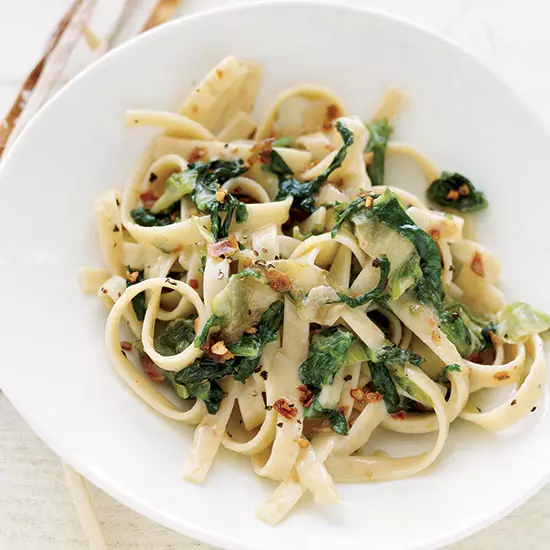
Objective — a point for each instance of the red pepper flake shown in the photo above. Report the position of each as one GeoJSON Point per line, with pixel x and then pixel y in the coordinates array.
{"type": "Point", "coordinates": [474, 358]}
{"type": "Point", "coordinates": [127, 346]}
{"type": "Point", "coordinates": [224, 248]}
{"type": "Point", "coordinates": [285, 409]}
{"type": "Point", "coordinates": [148, 198]}
{"type": "Point", "coordinates": [306, 395]}
{"type": "Point", "coordinates": [196, 154]}
{"type": "Point", "coordinates": [501, 376]}
{"type": "Point", "coordinates": [261, 151]}
{"type": "Point", "coordinates": [365, 396]}
{"type": "Point", "coordinates": [194, 284]}
{"type": "Point", "coordinates": [150, 369]}
{"type": "Point", "coordinates": [399, 415]}
{"type": "Point", "coordinates": [343, 410]}
{"type": "Point", "coordinates": [132, 277]}
{"type": "Point", "coordinates": [477, 264]}
{"type": "Point", "coordinates": [278, 281]}
{"type": "Point", "coordinates": [434, 234]}
{"type": "Point", "coordinates": [332, 112]}
{"type": "Point", "coordinates": [452, 195]}
{"type": "Point", "coordinates": [463, 190]}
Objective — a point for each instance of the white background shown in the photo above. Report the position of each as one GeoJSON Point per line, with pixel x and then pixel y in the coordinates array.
{"type": "Point", "coordinates": [36, 512]}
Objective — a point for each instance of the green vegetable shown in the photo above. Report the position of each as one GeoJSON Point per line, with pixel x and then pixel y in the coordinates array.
{"type": "Point", "coordinates": [354, 206]}
{"type": "Point", "coordinates": [384, 264]}
{"type": "Point", "coordinates": [143, 216]}
{"type": "Point", "coordinates": [176, 187]}
{"type": "Point", "coordinates": [357, 353]}
{"type": "Point", "coordinates": [443, 375]}
{"type": "Point", "coordinates": [337, 420]}
{"type": "Point", "coordinates": [455, 191]}
{"type": "Point", "coordinates": [176, 336]}
{"type": "Point", "coordinates": [138, 302]}
{"type": "Point", "coordinates": [241, 303]}
{"type": "Point", "coordinates": [249, 348]}
{"type": "Point", "coordinates": [380, 133]}
{"type": "Point", "coordinates": [200, 379]}
{"type": "Point", "coordinates": [201, 338]}
{"type": "Point", "coordinates": [387, 371]}
{"type": "Point", "coordinates": [283, 142]}
{"type": "Point", "coordinates": [385, 386]}
{"type": "Point", "coordinates": [327, 353]}
{"type": "Point", "coordinates": [470, 334]}
{"type": "Point", "coordinates": [303, 192]}
{"type": "Point", "coordinates": [277, 165]}
{"type": "Point", "coordinates": [203, 263]}
{"type": "Point", "coordinates": [518, 321]}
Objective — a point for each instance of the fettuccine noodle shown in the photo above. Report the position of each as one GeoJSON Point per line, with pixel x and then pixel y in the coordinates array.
{"type": "Point", "coordinates": [265, 285]}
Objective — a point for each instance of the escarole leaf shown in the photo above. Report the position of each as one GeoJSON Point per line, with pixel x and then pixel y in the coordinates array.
{"type": "Point", "coordinates": [455, 191]}
{"type": "Point", "coordinates": [380, 133]}
{"type": "Point", "coordinates": [176, 187]}
{"type": "Point", "coordinates": [336, 418]}
{"type": "Point", "coordinates": [241, 303]}
{"type": "Point", "coordinates": [201, 377]}
{"type": "Point", "coordinates": [146, 218]}
{"type": "Point", "coordinates": [387, 367]}
{"type": "Point", "coordinates": [138, 302]}
{"type": "Point", "coordinates": [384, 264]}
{"type": "Point", "coordinates": [303, 193]}
{"type": "Point", "coordinates": [175, 337]}
{"type": "Point", "coordinates": [201, 181]}
{"type": "Point", "coordinates": [327, 353]}
{"type": "Point", "coordinates": [518, 321]}
{"type": "Point", "coordinates": [444, 374]}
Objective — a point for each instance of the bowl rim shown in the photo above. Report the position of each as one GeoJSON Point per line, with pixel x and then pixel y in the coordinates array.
{"type": "Point", "coordinates": [101, 479]}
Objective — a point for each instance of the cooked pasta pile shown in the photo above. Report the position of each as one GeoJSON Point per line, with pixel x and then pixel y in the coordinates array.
{"type": "Point", "coordinates": [266, 286]}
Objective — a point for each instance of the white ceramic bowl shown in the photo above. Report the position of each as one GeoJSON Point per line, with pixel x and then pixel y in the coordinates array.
{"type": "Point", "coordinates": [54, 367]}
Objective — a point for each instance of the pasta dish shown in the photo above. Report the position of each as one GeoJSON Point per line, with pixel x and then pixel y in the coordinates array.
{"type": "Point", "coordinates": [266, 285]}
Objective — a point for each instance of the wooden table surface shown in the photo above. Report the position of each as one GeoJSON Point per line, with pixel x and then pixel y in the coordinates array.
{"type": "Point", "coordinates": [36, 512]}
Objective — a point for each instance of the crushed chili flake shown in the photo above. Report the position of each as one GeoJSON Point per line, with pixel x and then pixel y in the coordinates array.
{"type": "Point", "coordinates": [221, 194]}
{"type": "Point", "coordinates": [263, 374]}
{"type": "Point", "coordinates": [150, 369]}
{"type": "Point", "coordinates": [196, 154]}
{"type": "Point", "coordinates": [331, 113]}
{"type": "Point", "coordinates": [477, 264]}
{"type": "Point", "coordinates": [399, 415]}
{"type": "Point", "coordinates": [116, 229]}
{"type": "Point", "coordinates": [306, 395]}
{"type": "Point", "coordinates": [152, 177]}
{"type": "Point", "coordinates": [126, 345]}
{"type": "Point", "coordinates": [219, 348]}
{"type": "Point", "coordinates": [452, 195]}
{"type": "Point", "coordinates": [279, 424]}
{"type": "Point", "coordinates": [365, 396]}
{"type": "Point", "coordinates": [224, 248]}
{"type": "Point", "coordinates": [261, 151]}
{"type": "Point", "coordinates": [369, 202]}
{"type": "Point", "coordinates": [148, 198]}
{"type": "Point", "coordinates": [474, 358]}
{"type": "Point", "coordinates": [285, 409]}
{"type": "Point", "coordinates": [463, 190]}
{"type": "Point", "coordinates": [194, 284]}
{"type": "Point", "coordinates": [251, 330]}
{"type": "Point", "coordinates": [494, 338]}
{"type": "Point", "coordinates": [501, 376]}
{"type": "Point", "coordinates": [513, 402]}
{"type": "Point", "coordinates": [434, 234]}
{"type": "Point", "coordinates": [303, 443]}
{"type": "Point", "coordinates": [278, 281]}
{"type": "Point", "coordinates": [347, 378]}
{"type": "Point", "coordinates": [343, 410]}
{"type": "Point", "coordinates": [132, 277]}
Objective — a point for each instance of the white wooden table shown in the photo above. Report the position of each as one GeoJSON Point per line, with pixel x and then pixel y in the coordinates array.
{"type": "Point", "coordinates": [36, 511]}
